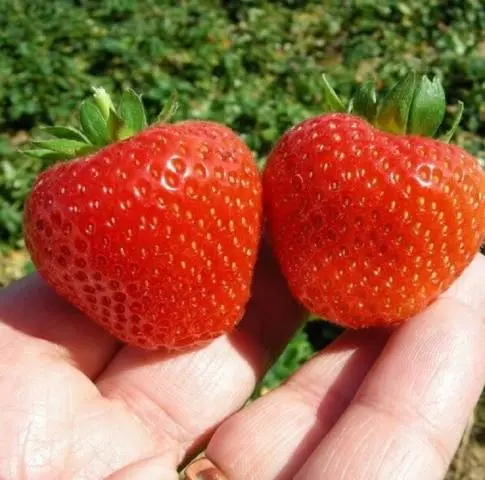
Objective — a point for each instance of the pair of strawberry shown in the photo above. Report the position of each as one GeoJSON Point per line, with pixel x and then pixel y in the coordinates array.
{"type": "Point", "coordinates": [153, 231]}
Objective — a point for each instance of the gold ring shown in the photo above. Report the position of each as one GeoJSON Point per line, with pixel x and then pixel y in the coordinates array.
{"type": "Point", "coordinates": [203, 469]}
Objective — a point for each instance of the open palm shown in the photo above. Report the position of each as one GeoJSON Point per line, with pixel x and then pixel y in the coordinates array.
{"type": "Point", "coordinates": [75, 404]}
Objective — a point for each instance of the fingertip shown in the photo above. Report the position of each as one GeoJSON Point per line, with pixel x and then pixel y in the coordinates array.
{"type": "Point", "coordinates": [153, 468]}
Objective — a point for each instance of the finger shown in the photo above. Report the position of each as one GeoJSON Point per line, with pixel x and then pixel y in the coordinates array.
{"type": "Point", "coordinates": [33, 318]}
{"type": "Point", "coordinates": [182, 398]}
{"type": "Point", "coordinates": [155, 468]}
{"type": "Point", "coordinates": [407, 418]}
{"type": "Point", "coordinates": [470, 288]}
{"type": "Point", "coordinates": [203, 469]}
{"type": "Point", "coordinates": [285, 425]}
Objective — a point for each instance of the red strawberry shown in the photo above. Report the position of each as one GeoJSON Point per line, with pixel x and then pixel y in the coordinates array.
{"type": "Point", "coordinates": [154, 237]}
{"type": "Point", "coordinates": [368, 226]}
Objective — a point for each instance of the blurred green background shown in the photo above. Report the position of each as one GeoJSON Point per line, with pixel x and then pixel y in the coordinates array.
{"type": "Point", "coordinates": [255, 65]}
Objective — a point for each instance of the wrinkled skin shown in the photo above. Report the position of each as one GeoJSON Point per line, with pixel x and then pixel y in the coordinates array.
{"type": "Point", "coordinates": [75, 404]}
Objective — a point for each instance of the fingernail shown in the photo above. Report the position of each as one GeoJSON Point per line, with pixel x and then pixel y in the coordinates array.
{"type": "Point", "coordinates": [203, 469]}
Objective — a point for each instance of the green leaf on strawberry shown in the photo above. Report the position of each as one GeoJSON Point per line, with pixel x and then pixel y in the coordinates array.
{"type": "Point", "coordinates": [101, 124]}
{"type": "Point", "coordinates": [454, 126]}
{"type": "Point", "coordinates": [132, 114]}
{"type": "Point", "coordinates": [428, 108]}
{"type": "Point", "coordinates": [364, 102]}
{"type": "Point", "coordinates": [68, 133]}
{"type": "Point", "coordinates": [331, 99]}
{"type": "Point", "coordinates": [395, 109]}
{"type": "Point", "coordinates": [94, 123]}
{"type": "Point", "coordinates": [415, 105]}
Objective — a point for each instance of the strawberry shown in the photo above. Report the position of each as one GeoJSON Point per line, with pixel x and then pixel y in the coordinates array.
{"type": "Point", "coordinates": [370, 224]}
{"type": "Point", "coordinates": [154, 236]}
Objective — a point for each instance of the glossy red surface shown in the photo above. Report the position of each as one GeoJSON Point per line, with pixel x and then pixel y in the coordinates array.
{"type": "Point", "coordinates": [370, 227]}
{"type": "Point", "coordinates": [155, 237]}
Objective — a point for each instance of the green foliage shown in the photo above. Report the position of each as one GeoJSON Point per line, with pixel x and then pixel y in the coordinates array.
{"type": "Point", "coordinates": [295, 354]}
{"type": "Point", "coordinates": [16, 177]}
{"type": "Point", "coordinates": [314, 336]}
{"type": "Point", "coordinates": [255, 65]}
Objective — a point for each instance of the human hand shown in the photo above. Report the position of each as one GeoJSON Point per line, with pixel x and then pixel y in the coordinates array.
{"type": "Point", "coordinates": [75, 404]}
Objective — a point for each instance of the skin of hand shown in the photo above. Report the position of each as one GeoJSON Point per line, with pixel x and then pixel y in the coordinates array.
{"type": "Point", "coordinates": [376, 404]}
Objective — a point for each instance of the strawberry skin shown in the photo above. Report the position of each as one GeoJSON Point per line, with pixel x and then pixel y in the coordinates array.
{"type": "Point", "coordinates": [154, 237]}
{"type": "Point", "coordinates": [370, 227]}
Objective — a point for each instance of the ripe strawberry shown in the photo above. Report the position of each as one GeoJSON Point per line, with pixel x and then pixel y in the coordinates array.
{"type": "Point", "coordinates": [155, 236]}
{"type": "Point", "coordinates": [370, 226]}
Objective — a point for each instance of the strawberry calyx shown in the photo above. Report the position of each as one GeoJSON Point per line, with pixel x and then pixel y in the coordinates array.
{"type": "Point", "coordinates": [415, 105]}
{"type": "Point", "coordinates": [101, 124]}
